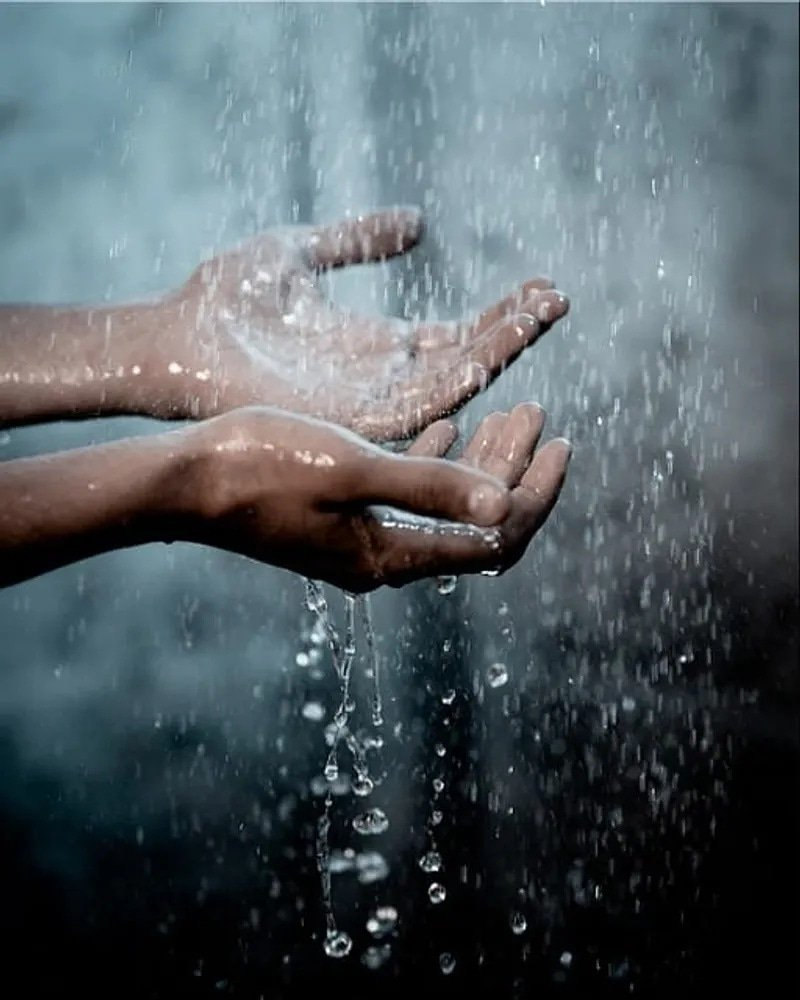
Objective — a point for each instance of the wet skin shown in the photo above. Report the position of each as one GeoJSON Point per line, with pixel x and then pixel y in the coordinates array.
{"type": "Point", "coordinates": [288, 483]}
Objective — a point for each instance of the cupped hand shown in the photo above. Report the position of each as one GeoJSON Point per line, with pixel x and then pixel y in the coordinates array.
{"type": "Point", "coordinates": [251, 326]}
{"type": "Point", "coordinates": [505, 447]}
{"type": "Point", "coordinates": [308, 496]}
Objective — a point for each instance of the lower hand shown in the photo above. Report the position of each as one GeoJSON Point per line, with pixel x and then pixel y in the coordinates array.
{"type": "Point", "coordinates": [310, 497]}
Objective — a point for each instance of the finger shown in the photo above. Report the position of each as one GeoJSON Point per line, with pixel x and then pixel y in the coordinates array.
{"type": "Point", "coordinates": [513, 303]}
{"type": "Point", "coordinates": [537, 298]}
{"type": "Point", "coordinates": [428, 487]}
{"type": "Point", "coordinates": [436, 393]}
{"type": "Point", "coordinates": [365, 238]}
{"type": "Point", "coordinates": [403, 555]}
{"type": "Point", "coordinates": [538, 491]}
{"type": "Point", "coordinates": [513, 449]}
{"type": "Point", "coordinates": [504, 443]}
{"type": "Point", "coordinates": [481, 442]}
{"type": "Point", "coordinates": [435, 441]}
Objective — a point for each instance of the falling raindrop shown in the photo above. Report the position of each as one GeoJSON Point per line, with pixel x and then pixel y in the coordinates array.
{"type": "Point", "coordinates": [371, 867]}
{"type": "Point", "coordinates": [371, 822]}
{"type": "Point", "coordinates": [497, 675]}
{"type": "Point", "coordinates": [446, 963]}
{"type": "Point", "coordinates": [437, 892]}
{"type": "Point", "coordinates": [376, 955]}
{"type": "Point", "coordinates": [337, 944]}
{"type": "Point", "coordinates": [431, 861]}
{"type": "Point", "coordinates": [313, 711]}
{"type": "Point", "coordinates": [363, 786]}
{"type": "Point", "coordinates": [518, 923]}
{"type": "Point", "coordinates": [383, 921]}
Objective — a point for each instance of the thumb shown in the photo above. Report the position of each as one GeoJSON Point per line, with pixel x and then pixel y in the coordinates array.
{"type": "Point", "coordinates": [433, 487]}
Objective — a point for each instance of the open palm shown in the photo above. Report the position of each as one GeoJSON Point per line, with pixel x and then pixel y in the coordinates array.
{"type": "Point", "coordinates": [254, 327]}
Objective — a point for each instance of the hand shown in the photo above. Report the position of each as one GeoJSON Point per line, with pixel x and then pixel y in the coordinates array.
{"type": "Point", "coordinates": [302, 494]}
{"type": "Point", "coordinates": [251, 327]}
{"type": "Point", "coordinates": [504, 446]}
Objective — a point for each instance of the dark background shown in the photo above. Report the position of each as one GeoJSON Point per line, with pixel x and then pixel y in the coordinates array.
{"type": "Point", "coordinates": [633, 788]}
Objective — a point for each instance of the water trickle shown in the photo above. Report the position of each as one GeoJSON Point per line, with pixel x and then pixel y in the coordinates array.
{"type": "Point", "coordinates": [374, 661]}
{"type": "Point", "coordinates": [337, 943]}
{"type": "Point", "coordinates": [371, 823]}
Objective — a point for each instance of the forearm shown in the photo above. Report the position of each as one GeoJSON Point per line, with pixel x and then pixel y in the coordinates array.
{"type": "Point", "coordinates": [62, 363]}
{"type": "Point", "coordinates": [61, 508]}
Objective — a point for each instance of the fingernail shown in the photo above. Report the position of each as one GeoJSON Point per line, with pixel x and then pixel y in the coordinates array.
{"type": "Point", "coordinates": [552, 306]}
{"type": "Point", "coordinates": [488, 504]}
{"type": "Point", "coordinates": [568, 445]}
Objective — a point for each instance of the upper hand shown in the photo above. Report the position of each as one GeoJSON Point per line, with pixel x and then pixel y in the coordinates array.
{"type": "Point", "coordinates": [251, 326]}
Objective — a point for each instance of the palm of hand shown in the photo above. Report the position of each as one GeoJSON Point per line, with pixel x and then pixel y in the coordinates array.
{"type": "Point", "coordinates": [269, 336]}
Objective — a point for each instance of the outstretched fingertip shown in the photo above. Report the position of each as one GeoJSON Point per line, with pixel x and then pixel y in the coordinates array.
{"type": "Point", "coordinates": [488, 504]}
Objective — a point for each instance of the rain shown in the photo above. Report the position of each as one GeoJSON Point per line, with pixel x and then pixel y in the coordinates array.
{"type": "Point", "coordinates": [576, 778]}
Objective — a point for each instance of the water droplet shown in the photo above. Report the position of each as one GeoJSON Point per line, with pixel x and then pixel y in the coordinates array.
{"type": "Point", "coordinates": [628, 704]}
{"type": "Point", "coordinates": [337, 944]}
{"type": "Point", "coordinates": [375, 956]}
{"type": "Point", "coordinates": [362, 786]}
{"type": "Point", "coordinates": [446, 963]}
{"type": "Point", "coordinates": [371, 822]}
{"type": "Point", "coordinates": [431, 861]}
{"type": "Point", "coordinates": [438, 785]}
{"type": "Point", "coordinates": [449, 697]}
{"type": "Point", "coordinates": [566, 959]}
{"type": "Point", "coordinates": [518, 922]}
{"type": "Point", "coordinates": [440, 750]}
{"type": "Point", "coordinates": [331, 771]}
{"type": "Point", "coordinates": [313, 711]}
{"type": "Point", "coordinates": [383, 921]}
{"type": "Point", "coordinates": [437, 892]}
{"type": "Point", "coordinates": [497, 675]}
{"type": "Point", "coordinates": [371, 867]}
{"type": "Point", "coordinates": [446, 584]}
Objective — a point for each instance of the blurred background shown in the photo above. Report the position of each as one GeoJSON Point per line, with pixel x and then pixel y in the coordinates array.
{"type": "Point", "coordinates": [616, 804]}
